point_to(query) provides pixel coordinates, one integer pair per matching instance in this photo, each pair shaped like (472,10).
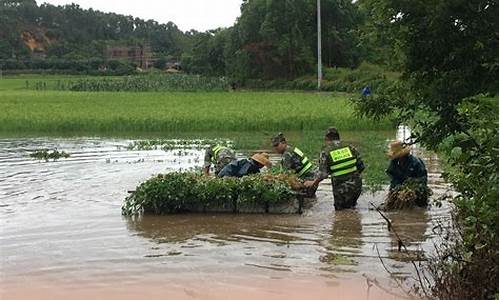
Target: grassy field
(35,111)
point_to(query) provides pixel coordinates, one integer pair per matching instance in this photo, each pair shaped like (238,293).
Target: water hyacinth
(45,154)
(193,192)
(170,144)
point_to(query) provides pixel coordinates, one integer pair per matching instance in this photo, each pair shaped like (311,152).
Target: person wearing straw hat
(219,156)
(404,165)
(246,166)
(344,164)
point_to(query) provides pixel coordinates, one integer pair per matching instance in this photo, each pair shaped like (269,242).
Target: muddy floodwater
(62,235)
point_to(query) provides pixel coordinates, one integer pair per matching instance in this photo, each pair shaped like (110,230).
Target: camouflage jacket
(224,156)
(326,162)
(291,161)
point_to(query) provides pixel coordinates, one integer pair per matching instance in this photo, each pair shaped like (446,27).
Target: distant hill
(270,39)
(70,32)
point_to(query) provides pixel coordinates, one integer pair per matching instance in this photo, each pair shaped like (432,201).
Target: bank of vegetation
(448,94)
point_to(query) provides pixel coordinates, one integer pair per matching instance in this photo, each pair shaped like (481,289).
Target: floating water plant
(45,154)
(170,144)
(193,192)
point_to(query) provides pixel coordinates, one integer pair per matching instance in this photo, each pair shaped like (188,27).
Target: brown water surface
(63,237)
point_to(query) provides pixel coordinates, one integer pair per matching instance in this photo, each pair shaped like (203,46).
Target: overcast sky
(187,14)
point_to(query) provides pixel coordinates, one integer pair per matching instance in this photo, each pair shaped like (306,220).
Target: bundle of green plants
(408,195)
(194,192)
(45,154)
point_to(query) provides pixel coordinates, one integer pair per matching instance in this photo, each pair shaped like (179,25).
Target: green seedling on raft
(188,192)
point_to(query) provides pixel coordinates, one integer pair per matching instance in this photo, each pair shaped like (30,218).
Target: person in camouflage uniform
(294,160)
(219,156)
(344,164)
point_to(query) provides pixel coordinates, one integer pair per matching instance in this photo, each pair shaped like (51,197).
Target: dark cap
(332,134)
(277,139)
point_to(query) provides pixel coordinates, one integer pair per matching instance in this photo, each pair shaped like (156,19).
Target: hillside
(70,32)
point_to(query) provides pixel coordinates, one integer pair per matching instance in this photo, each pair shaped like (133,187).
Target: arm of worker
(360,164)
(207,161)
(394,175)
(420,170)
(323,171)
(291,162)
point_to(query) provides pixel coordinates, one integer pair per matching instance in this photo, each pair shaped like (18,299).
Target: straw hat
(398,149)
(263,159)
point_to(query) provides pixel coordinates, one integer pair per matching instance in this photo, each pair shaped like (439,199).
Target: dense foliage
(72,33)
(277,39)
(271,39)
(185,192)
(334,79)
(449,96)
(138,83)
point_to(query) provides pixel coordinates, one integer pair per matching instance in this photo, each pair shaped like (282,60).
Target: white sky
(186,14)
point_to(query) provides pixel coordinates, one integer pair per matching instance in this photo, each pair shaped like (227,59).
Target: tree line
(270,39)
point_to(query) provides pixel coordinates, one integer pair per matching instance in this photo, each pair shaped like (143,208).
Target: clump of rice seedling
(140,83)
(45,154)
(408,195)
(193,192)
(170,144)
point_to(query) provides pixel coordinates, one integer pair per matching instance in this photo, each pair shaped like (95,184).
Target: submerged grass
(26,111)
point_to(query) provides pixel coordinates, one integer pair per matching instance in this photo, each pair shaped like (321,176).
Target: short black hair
(332,134)
(277,139)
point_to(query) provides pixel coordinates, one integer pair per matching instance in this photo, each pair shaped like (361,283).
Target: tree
(449,96)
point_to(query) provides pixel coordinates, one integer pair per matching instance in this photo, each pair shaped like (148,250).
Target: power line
(320,71)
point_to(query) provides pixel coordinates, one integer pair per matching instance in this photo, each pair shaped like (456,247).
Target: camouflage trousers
(346,191)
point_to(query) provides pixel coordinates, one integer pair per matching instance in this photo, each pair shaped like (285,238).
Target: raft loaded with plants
(192,192)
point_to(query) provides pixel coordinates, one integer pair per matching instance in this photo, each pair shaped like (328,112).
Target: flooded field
(62,233)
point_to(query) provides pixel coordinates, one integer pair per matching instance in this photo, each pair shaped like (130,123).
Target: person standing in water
(344,164)
(404,167)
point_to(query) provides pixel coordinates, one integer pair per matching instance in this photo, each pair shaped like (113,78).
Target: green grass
(35,111)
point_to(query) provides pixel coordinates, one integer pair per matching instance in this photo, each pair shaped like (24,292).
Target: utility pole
(320,71)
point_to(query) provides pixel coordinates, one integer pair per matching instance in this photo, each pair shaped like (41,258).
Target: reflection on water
(61,224)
